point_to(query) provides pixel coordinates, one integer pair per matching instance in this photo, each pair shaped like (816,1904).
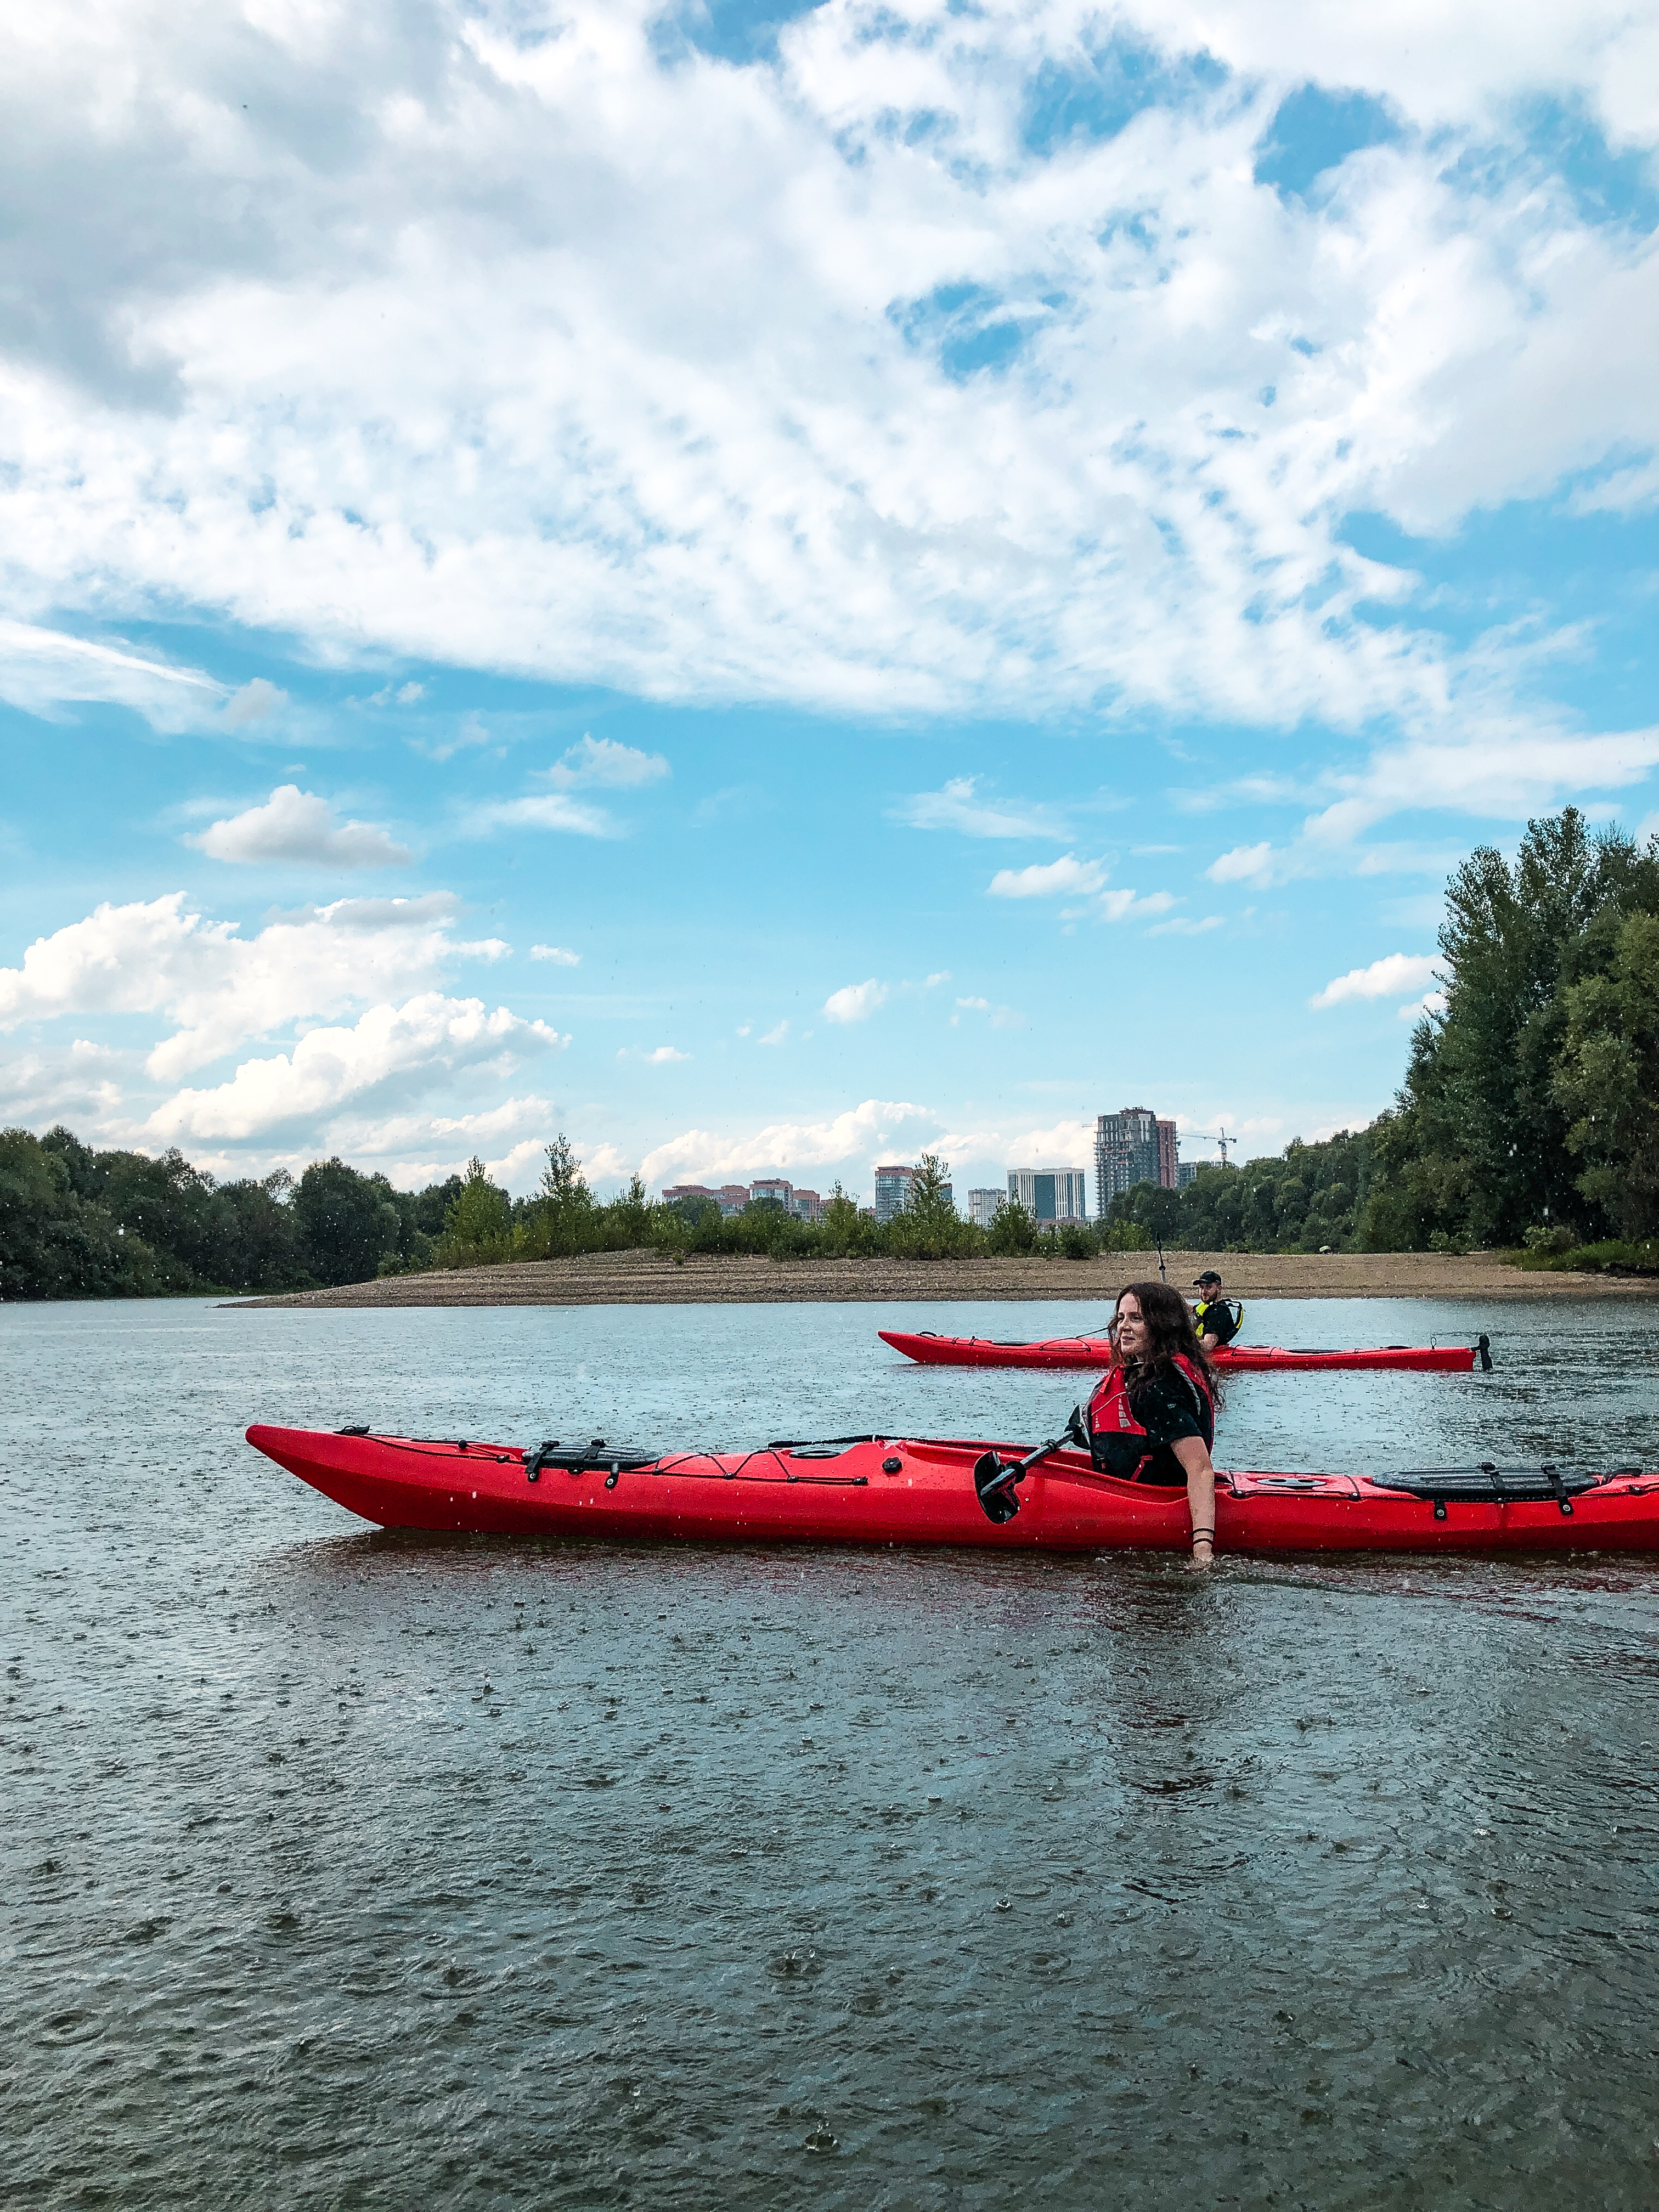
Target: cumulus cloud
(297,825)
(257,699)
(844,378)
(558,954)
(220,989)
(962,806)
(614,767)
(417,1044)
(663,1055)
(1396,976)
(856,1002)
(856,1135)
(1131,906)
(580,404)
(1049,878)
(1245,864)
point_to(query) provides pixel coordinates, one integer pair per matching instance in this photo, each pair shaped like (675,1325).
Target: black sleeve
(1165,1408)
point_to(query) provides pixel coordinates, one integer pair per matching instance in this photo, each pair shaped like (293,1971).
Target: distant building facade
(1186,1172)
(1132,1145)
(892,1191)
(1051,1196)
(1126,1154)
(982,1206)
(738,1197)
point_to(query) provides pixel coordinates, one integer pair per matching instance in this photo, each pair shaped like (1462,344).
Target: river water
(349,1871)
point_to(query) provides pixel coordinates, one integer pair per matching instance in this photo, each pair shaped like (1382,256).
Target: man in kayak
(1151,1419)
(1215,1319)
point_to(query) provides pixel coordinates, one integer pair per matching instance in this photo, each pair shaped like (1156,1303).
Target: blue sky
(774,587)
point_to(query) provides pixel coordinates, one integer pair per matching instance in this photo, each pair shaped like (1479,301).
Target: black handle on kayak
(1483,1346)
(994,1478)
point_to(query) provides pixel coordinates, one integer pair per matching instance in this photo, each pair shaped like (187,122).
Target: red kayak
(880,1490)
(1096,1351)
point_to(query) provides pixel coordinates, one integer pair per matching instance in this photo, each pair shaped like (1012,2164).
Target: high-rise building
(1126,1154)
(1051,1196)
(892,1191)
(806,1205)
(1186,1172)
(1166,1154)
(772,1190)
(982,1206)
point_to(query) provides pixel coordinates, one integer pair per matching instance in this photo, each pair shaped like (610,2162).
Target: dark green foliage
(1302,1202)
(1530,1102)
(478,1223)
(1013,1229)
(348,1222)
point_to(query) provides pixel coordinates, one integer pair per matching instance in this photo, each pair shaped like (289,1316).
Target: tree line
(76,1222)
(1528,1121)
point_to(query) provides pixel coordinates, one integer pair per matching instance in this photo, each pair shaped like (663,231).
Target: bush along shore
(1529,1123)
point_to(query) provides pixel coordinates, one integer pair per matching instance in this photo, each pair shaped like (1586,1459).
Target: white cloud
(775,1035)
(1049,878)
(558,954)
(1182,926)
(257,699)
(602,761)
(220,989)
(1130,906)
(548,810)
(856,1135)
(1245,864)
(663,1055)
(297,825)
(412,1046)
(960,806)
(664,377)
(856,1002)
(1432,1002)
(43,669)
(1396,976)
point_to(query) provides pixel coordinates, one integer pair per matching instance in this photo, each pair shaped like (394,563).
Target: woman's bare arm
(1201,1496)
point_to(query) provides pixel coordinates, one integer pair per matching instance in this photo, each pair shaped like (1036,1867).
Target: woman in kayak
(1152,1416)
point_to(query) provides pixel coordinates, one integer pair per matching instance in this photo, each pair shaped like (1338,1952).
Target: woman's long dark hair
(1170,1324)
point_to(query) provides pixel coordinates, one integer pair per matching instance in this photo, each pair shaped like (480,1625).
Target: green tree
(1012,1230)
(928,1226)
(559,1220)
(347,1221)
(478,1227)
(1607,1079)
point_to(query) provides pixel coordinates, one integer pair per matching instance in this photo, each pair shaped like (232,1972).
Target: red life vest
(1111,1414)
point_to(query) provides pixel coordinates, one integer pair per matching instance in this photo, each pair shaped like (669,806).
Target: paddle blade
(1000,1505)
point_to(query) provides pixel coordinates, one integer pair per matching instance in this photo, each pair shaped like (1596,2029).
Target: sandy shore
(651,1278)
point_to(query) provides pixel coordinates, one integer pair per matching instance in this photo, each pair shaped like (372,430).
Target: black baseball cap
(1208,1276)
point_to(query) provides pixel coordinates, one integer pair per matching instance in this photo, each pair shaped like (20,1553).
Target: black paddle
(994,1478)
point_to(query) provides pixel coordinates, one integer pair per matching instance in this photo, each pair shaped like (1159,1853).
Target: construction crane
(1216,1137)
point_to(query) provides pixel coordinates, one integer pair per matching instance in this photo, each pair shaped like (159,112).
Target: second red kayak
(1096,1351)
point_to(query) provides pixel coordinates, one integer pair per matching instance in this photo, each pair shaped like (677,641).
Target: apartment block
(1051,1196)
